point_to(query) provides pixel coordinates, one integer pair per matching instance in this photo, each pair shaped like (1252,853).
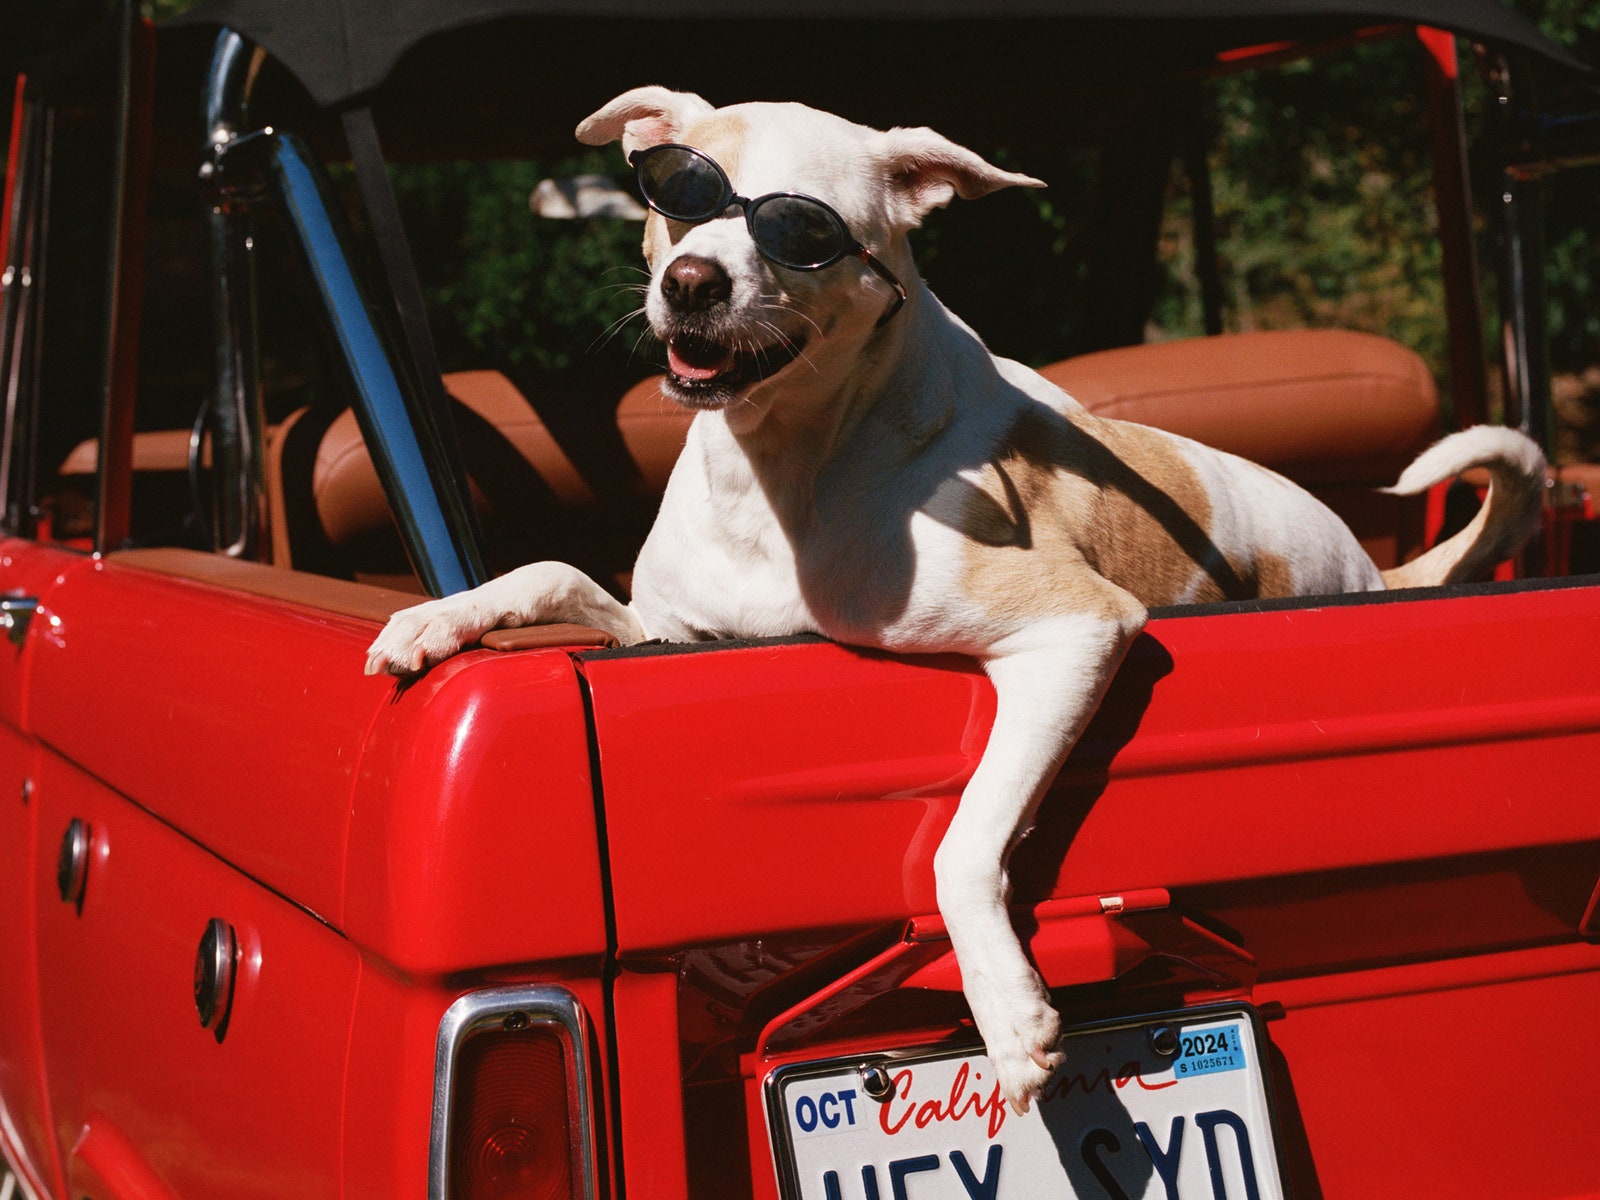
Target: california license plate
(1168,1108)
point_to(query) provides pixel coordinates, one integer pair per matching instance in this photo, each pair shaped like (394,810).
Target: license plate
(1165,1108)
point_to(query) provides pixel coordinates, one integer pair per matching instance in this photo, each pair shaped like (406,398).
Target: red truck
(1316,894)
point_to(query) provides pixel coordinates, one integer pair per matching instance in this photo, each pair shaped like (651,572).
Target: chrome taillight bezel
(547,1005)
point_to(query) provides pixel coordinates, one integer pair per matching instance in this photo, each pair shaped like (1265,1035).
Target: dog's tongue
(697,361)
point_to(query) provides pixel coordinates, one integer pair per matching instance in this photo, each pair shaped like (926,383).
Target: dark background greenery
(509,289)
(1320,176)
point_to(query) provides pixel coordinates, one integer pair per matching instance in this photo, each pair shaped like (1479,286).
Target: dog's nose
(693,284)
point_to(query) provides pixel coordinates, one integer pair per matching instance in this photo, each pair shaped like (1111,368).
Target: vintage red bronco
(1316,894)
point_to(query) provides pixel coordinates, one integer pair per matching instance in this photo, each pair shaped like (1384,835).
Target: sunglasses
(789,229)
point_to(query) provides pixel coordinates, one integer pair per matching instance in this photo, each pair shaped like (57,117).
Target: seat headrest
(1327,406)
(349,498)
(1320,406)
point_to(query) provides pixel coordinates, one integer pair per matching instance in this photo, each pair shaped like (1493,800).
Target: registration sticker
(1203,1052)
(1163,1108)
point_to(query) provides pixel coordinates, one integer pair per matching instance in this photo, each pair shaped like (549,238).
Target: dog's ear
(926,170)
(643,117)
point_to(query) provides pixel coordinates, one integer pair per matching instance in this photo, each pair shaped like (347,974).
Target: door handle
(213,976)
(15,614)
(72,866)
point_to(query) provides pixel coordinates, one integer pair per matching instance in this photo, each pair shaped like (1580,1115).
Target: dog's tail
(1507,518)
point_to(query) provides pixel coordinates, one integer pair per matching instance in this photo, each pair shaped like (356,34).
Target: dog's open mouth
(704,373)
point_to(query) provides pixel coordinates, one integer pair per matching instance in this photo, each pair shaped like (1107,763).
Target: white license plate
(1121,1121)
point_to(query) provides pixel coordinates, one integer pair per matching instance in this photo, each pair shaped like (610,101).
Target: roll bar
(420,468)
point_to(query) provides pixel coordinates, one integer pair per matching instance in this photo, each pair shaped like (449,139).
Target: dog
(862,467)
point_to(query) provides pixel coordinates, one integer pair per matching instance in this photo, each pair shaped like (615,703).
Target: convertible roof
(339,49)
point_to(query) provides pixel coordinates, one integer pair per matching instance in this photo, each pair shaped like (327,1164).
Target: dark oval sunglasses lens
(682,185)
(796,232)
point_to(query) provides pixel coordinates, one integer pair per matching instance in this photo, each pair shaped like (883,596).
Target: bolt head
(875,1081)
(1163,1040)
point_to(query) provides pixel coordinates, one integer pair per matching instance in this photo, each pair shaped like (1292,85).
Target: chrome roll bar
(234,412)
(420,473)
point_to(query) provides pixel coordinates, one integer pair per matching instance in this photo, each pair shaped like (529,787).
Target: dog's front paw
(1027,1058)
(1021,1034)
(421,637)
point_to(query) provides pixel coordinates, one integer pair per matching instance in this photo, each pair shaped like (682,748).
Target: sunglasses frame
(851,246)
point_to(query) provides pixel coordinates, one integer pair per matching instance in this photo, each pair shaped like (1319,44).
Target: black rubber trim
(1460,591)
(1456,591)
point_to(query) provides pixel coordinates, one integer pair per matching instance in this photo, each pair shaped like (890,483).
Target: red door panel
(26,571)
(29,571)
(140,1092)
(230,760)
(22,1080)
(239,720)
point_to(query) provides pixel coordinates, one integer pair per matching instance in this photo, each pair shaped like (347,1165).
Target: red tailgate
(1342,792)
(813,781)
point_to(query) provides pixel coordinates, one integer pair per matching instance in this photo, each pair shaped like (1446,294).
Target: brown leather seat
(1320,406)
(587,497)
(1340,413)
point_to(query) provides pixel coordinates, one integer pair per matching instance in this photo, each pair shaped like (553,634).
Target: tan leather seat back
(1340,413)
(1320,406)
(534,499)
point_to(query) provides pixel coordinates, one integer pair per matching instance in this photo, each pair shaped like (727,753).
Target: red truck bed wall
(1391,806)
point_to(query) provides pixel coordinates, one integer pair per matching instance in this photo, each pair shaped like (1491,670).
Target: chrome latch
(72,864)
(213,976)
(15,614)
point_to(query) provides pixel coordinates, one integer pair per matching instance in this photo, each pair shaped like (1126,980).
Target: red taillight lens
(511,1132)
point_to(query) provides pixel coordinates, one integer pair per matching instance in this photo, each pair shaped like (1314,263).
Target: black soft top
(339,49)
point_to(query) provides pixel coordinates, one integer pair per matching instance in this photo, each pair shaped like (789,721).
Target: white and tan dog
(885,481)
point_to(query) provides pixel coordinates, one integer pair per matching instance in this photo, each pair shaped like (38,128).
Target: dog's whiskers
(785,340)
(797,307)
(611,330)
(638,341)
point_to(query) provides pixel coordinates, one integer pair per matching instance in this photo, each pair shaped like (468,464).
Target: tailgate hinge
(1153,955)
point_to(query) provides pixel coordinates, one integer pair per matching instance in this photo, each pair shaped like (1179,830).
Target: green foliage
(160,10)
(1572,265)
(1323,205)
(512,290)
(1575,23)
(1571,211)
(1321,187)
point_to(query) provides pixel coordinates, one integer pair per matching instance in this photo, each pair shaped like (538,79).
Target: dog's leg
(1048,681)
(540,593)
